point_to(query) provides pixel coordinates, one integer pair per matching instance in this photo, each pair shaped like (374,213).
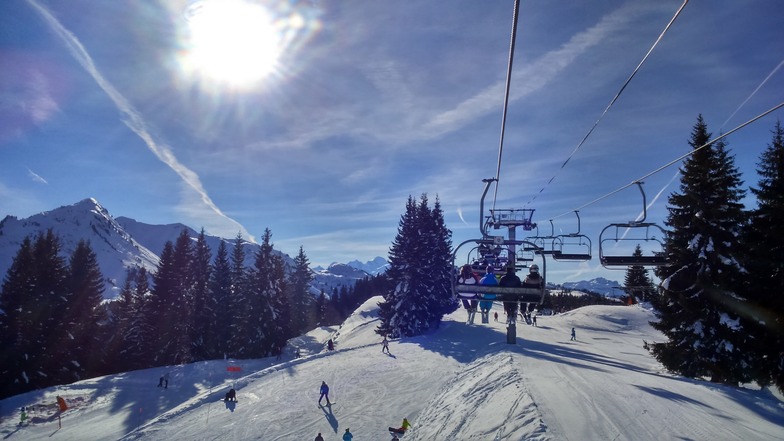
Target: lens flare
(230,41)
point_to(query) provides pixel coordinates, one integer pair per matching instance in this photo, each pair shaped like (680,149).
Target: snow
(462,382)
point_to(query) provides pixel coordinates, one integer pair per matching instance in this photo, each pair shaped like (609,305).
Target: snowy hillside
(460,383)
(87,220)
(123,242)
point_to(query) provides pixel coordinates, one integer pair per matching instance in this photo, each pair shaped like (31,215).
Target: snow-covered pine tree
(700,307)
(418,296)
(442,271)
(299,294)
(637,283)
(765,237)
(240,323)
(266,301)
(171,302)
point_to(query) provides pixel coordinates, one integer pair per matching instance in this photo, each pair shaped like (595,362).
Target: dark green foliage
(700,309)
(765,239)
(300,298)
(420,273)
(201,327)
(637,284)
(83,318)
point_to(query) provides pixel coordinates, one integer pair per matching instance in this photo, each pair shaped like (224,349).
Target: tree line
(55,327)
(722,289)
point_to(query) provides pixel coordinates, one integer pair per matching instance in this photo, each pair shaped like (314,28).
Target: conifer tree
(765,238)
(15,326)
(84,318)
(638,285)
(266,296)
(240,323)
(299,293)
(201,326)
(419,273)
(220,302)
(699,309)
(140,336)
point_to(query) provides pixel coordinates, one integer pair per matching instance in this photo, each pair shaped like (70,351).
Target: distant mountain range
(122,242)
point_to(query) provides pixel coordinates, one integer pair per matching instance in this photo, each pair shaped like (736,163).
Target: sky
(462,382)
(318,119)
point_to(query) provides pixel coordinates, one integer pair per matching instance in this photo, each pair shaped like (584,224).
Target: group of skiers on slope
(348,436)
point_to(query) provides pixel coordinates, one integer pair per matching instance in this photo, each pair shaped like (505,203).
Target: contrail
(755,91)
(132,119)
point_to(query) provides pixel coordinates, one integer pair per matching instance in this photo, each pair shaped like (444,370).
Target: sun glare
(231,41)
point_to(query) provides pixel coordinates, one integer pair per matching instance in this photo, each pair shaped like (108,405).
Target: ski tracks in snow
(486,385)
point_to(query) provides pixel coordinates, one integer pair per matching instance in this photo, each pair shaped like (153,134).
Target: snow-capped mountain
(334,276)
(122,242)
(87,220)
(374,267)
(599,285)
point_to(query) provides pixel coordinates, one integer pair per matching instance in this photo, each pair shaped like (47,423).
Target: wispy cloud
(134,120)
(534,76)
(36,177)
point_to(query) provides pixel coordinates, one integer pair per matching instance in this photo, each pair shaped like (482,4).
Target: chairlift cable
(506,97)
(674,161)
(617,95)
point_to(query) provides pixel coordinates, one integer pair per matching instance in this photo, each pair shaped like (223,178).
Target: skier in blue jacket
(324,393)
(488,279)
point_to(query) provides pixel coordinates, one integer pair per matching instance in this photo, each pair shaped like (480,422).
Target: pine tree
(419,273)
(140,337)
(638,285)
(220,302)
(50,297)
(84,318)
(765,238)
(266,295)
(17,292)
(299,293)
(699,310)
(201,327)
(240,323)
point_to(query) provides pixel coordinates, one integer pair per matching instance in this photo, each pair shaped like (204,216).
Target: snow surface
(462,382)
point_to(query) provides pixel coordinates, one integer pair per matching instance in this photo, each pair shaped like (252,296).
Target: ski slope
(461,382)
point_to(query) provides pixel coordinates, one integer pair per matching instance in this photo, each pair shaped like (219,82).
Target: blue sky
(352,106)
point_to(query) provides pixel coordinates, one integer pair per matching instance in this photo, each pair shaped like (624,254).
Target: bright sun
(231,41)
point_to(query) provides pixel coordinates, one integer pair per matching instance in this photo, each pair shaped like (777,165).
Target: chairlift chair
(638,232)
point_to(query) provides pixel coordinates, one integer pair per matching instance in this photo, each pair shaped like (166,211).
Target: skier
(534,320)
(510,279)
(574,337)
(166,381)
(330,345)
(324,393)
(160,381)
(347,436)
(23,416)
(467,277)
(385,345)
(487,303)
(61,404)
(495,316)
(231,395)
(319,437)
(403,427)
